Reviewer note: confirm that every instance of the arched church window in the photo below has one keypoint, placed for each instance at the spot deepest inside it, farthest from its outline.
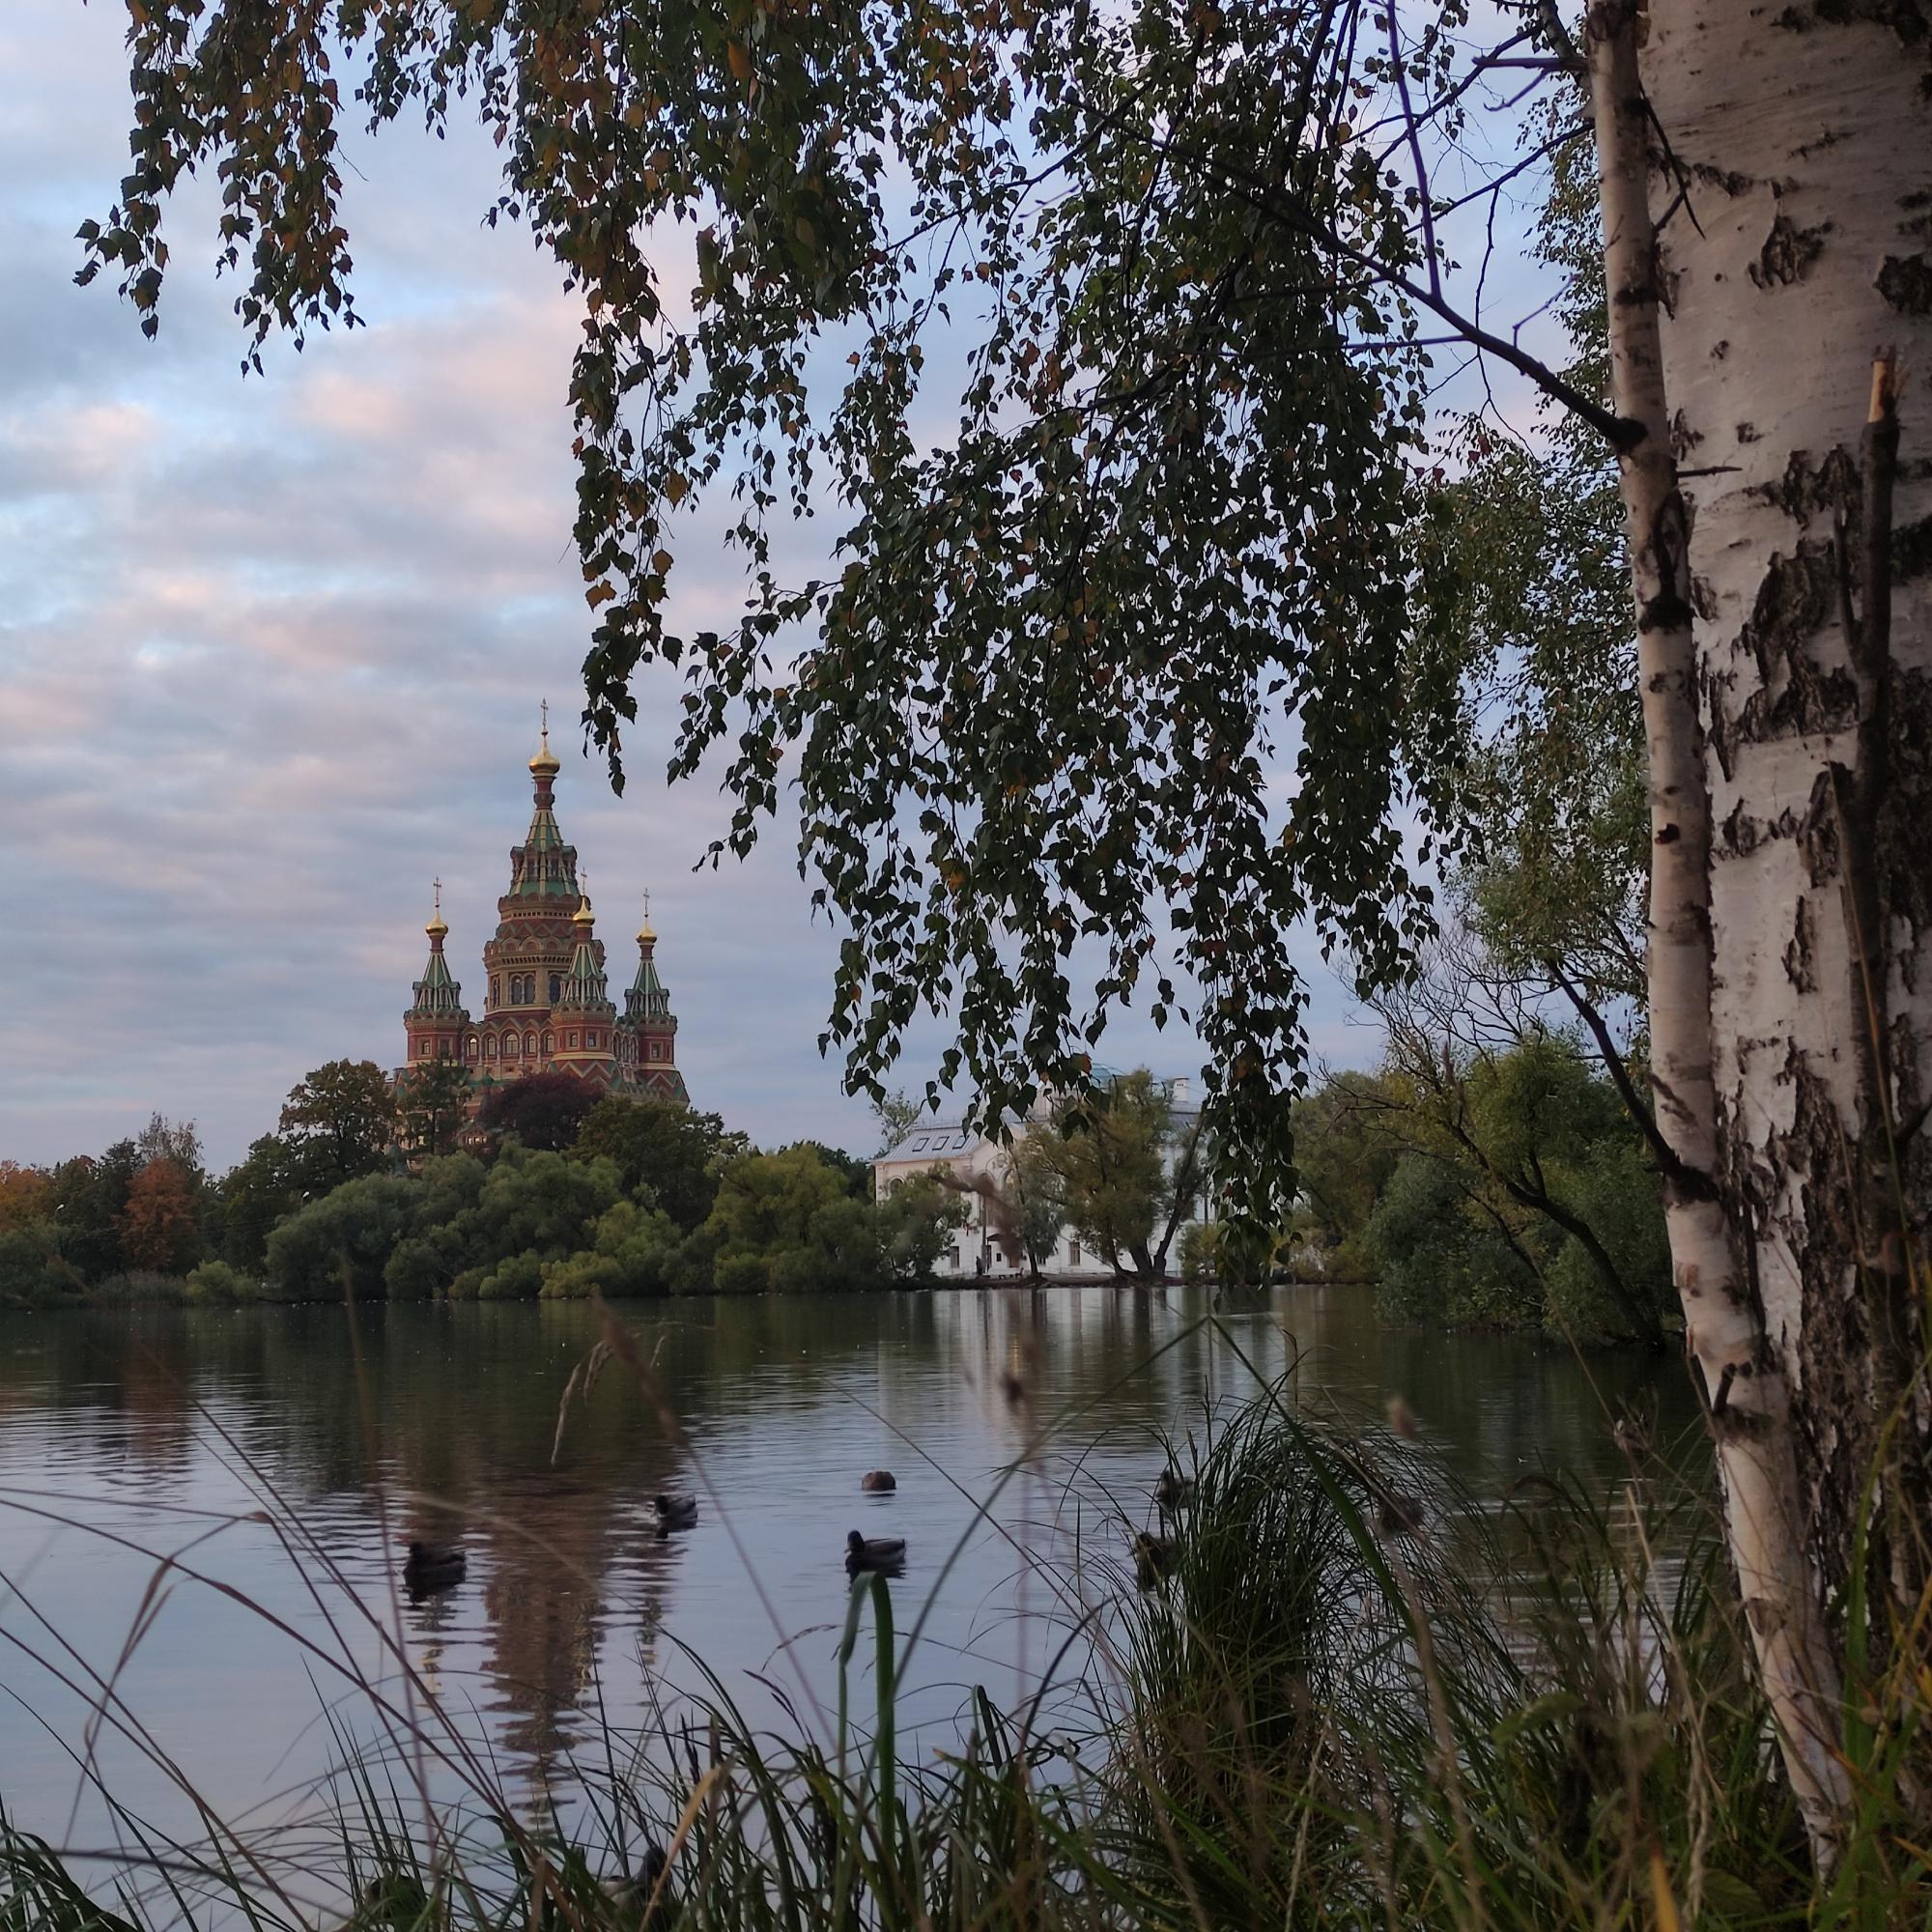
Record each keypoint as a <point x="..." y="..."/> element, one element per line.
<point x="530" y="1042"/>
<point x="490" y="1046"/>
<point x="555" y="987"/>
<point x="474" y="1048"/>
<point x="550" y="1043"/>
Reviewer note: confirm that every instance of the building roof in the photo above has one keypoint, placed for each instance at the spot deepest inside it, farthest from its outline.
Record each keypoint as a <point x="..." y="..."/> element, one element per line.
<point x="936" y="1140"/>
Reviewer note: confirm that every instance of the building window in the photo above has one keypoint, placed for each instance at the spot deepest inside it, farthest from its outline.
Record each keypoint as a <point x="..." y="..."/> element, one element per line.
<point x="571" y="1041"/>
<point x="490" y="1046"/>
<point x="529" y="1043"/>
<point x="549" y="1043"/>
<point x="555" y="987"/>
<point x="657" y="1051"/>
<point x="475" y="1049"/>
<point x="1073" y="1254"/>
<point x="952" y="1258"/>
<point x="590" y="1040"/>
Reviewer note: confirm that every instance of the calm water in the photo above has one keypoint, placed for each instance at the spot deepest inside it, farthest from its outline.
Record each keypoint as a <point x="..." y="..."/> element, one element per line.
<point x="129" y="1436"/>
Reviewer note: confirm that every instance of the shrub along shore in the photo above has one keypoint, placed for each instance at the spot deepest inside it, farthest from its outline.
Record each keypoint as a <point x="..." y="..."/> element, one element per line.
<point x="1505" y="1190"/>
<point x="1345" y="1695"/>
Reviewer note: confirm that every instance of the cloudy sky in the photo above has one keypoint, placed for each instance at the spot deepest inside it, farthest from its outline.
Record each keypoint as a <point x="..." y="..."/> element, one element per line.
<point x="270" y="654"/>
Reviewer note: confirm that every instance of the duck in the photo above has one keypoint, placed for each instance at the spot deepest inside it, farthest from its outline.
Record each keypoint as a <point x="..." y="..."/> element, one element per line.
<point x="643" y="1899"/>
<point x="1172" y="1491"/>
<point x="433" y="1566"/>
<point x="1400" y="1515"/>
<point x="878" y="1482"/>
<point x="1153" y="1558"/>
<point x="873" y="1553"/>
<point x="674" y="1512"/>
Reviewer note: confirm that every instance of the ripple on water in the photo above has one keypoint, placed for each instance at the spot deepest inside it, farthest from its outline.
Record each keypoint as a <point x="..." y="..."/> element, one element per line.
<point x="176" y="1431"/>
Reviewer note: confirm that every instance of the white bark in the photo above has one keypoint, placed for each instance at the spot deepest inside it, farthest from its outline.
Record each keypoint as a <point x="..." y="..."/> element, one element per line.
<point x="1744" y="1379"/>
<point x="1793" y="205"/>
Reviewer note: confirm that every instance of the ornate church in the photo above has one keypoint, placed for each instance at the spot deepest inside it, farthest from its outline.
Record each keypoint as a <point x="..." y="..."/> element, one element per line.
<point x="548" y="1008"/>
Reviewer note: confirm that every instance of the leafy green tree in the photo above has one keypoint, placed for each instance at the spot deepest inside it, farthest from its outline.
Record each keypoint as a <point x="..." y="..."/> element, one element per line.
<point x="916" y="1225"/>
<point x="1038" y="1193"/>
<point x="342" y="1242"/>
<point x="788" y="1221"/>
<point x="1555" y="882"/>
<point x="1130" y="1175"/>
<point x="544" y="1111"/>
<point x="539" y="1202"/>
<point x="897" y="1114"/>
<point x="856" y="1173"/>
<point x="1442" y="1257"/>
<point x="256" y="1193"/>
<point x="632" y="1253"/>
<point x="1063" y="645"/>
<point x="663" y="1153"/>
<point x="217" y="1284"/>
<point x="339" y="1123"/>
<point x="86" y="1201"/>
<point x="32" y="1272"/>
<point x="1477" y="1081"/>
<point x="1343" y="1155"/>
<point x="432" y="1103"/>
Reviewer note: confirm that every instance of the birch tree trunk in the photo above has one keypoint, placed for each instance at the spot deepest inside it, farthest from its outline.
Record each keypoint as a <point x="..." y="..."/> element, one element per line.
<point x="1785" y="617"/>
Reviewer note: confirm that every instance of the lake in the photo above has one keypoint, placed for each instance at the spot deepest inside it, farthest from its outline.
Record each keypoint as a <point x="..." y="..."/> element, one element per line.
<point x="288" y="1453"/>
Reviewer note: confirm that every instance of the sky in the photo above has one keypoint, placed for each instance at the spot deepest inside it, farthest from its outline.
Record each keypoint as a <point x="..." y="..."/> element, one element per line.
<point x="271" y="651"/>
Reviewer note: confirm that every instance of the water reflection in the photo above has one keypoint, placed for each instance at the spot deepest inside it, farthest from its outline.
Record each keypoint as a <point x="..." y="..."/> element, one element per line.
<point x="441" y="1424"/>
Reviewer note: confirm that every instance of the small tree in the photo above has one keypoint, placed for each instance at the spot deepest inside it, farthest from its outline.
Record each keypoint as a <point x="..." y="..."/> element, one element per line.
<point x="666" y="1154"/>
<point x="24" y="1194"/>
<point x="544" y="1111"/>
<point x="257" y="1193"/>
<point x="86" y="1199"/>
<point x="432" y="1103"/>
<point x="917" y="1221"/>
<point x="1129" y="1177"/>
<point x="897" y="1113"/>
<point x="339" y="1123"/>
<point x="1039" y="1198"/>
<point x="158" y="1226"/>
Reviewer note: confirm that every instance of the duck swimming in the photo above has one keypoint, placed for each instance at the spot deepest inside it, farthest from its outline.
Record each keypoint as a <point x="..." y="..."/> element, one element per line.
<point x="874" y="1553"/>
<point x="433" y="1566"/>
<point x="674" y="1512"/>
<point x="1153" y="1558"/>
<point x="1172" y="1491"/>
<point x="878" y="1482"/>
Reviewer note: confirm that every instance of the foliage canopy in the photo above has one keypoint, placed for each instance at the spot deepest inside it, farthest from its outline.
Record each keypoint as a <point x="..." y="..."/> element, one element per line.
<point x="1170" y="550"/>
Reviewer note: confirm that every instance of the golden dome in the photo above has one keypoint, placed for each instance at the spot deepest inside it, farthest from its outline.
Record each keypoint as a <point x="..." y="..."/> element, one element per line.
<point x="584" y="916"/>
<point x="545" y="764"/>
<point x="647" y="934"/>
<point x="437" y="929"/>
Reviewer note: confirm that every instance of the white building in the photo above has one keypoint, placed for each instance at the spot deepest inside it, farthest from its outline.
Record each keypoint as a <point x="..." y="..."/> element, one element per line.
<point x="979" y="1163"/>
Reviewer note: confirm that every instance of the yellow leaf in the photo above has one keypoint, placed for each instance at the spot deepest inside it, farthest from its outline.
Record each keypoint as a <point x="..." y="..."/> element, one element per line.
<point x="1667" y="1920"/>
<point x="740" y="60"/>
